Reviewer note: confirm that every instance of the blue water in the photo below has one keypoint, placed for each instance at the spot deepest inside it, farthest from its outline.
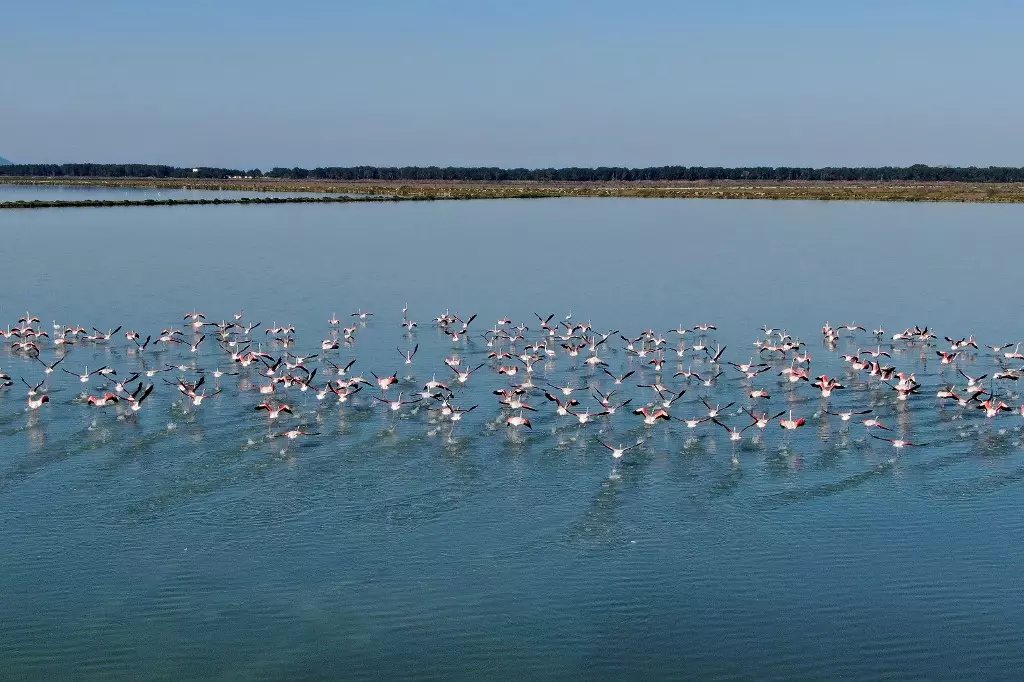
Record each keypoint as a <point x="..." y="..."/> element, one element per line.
<point x="190" y="543"/>
<point x="96" y="193"/>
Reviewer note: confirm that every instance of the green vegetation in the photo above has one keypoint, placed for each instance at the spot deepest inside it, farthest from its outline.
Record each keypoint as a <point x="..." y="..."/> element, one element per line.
<point x="914" y="183"/>
<point x="915" y="173"/>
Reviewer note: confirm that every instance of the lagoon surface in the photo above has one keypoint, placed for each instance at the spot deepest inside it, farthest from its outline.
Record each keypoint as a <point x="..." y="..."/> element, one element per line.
<point x="188" y="543"/>
<point x="11" y="192"/>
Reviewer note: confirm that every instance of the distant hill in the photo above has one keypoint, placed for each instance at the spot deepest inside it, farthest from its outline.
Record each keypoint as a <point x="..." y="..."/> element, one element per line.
<point x="5" y="162"/>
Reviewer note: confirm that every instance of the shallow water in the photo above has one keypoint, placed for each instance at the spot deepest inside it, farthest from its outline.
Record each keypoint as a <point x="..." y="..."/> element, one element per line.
<point x="97" y="193"/>
<point x="189" y="543"/>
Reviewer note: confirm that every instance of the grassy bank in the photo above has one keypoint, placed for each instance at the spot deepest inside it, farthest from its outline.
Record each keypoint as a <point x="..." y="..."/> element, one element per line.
<point x="100" y="203"/>
<point x="448" y="190"/>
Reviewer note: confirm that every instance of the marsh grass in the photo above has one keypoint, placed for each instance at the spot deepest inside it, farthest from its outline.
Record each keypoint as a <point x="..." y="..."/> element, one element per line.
<point x="457" y="190"/>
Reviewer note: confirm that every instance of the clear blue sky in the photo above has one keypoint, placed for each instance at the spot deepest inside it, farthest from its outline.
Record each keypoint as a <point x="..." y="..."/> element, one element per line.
<point x="525" y="83"/>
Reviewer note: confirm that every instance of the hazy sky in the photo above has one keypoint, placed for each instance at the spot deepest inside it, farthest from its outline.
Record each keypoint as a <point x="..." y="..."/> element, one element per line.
<point x="522" y="83"/>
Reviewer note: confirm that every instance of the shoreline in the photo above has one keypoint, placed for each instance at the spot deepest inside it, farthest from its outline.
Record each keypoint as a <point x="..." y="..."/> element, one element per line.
<point x="112" y="203"/>
<point x="430" y="190"/>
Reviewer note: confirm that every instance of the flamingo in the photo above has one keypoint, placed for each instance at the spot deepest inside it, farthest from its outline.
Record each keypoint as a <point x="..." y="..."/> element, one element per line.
<point x="618" y="452"/>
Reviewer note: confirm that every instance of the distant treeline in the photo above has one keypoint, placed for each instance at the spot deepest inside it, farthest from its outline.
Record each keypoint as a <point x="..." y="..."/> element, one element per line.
<point x="915" y="173"/>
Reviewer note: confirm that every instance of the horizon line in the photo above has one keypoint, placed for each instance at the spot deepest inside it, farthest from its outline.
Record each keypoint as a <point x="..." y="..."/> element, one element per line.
<point x="515" y="168"/>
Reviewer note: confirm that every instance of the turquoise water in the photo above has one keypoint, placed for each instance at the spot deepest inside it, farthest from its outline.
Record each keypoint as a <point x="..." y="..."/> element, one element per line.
<point x="189" y="543"/>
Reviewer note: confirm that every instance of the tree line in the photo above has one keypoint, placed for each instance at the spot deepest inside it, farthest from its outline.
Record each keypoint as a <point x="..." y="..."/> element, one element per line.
<point x="914" y="173"/>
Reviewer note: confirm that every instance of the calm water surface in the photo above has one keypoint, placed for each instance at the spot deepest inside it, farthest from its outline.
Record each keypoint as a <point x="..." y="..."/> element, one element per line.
<point x="91" y="193"/>
<point x="189" y="543"/>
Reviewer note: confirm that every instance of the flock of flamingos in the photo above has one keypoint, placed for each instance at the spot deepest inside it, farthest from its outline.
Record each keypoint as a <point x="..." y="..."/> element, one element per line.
<point x="680" y="375"/>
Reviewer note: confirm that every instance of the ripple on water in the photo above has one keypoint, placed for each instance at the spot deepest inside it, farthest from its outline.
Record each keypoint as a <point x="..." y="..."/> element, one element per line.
<point x="191" y="543"/>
